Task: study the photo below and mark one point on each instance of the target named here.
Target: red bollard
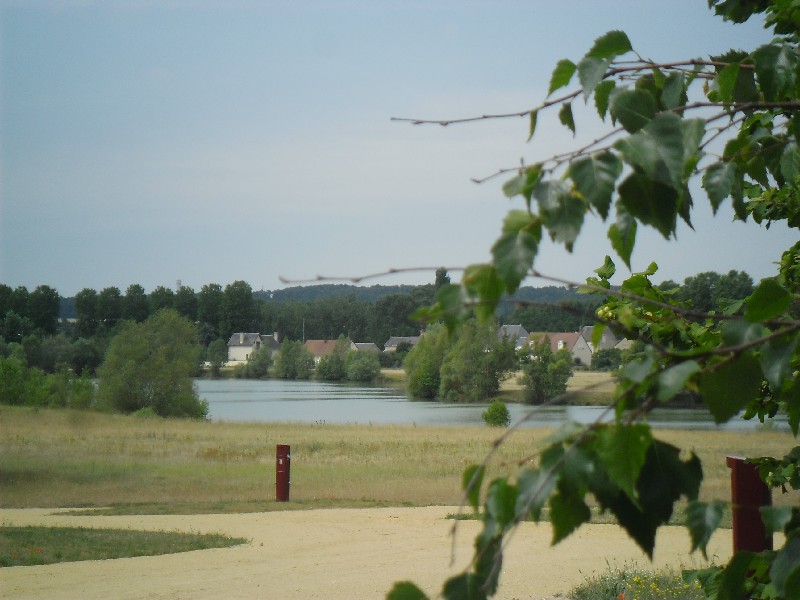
(282, 467)
(748, 495)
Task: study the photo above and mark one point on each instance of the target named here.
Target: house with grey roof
(241, 345)
(516, 333)
(393, 342)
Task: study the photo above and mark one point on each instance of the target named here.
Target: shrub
(362, 365)
(497, 415)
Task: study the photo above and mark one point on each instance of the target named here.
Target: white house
(242, 345)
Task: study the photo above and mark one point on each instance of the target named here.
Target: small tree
(217, 356)
(259, 363)
(293, 361)
(544, 373)
(608, 359)
(423, 363)
(362, 365)
(496, 415)
(331, 367)
(150, 365)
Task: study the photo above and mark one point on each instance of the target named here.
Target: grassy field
(60, 458)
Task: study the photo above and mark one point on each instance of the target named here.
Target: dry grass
(56, 458)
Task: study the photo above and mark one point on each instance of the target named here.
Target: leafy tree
(424, 362)
(161, 297)
(18, 300)
(186, 302)
(43, 306)
(87, 355)
(5, 298)
(55, 353)
(209, 306)
(109, 308)
(707, 292)
(238, 309)
(475, 363)
(608, 359)
(544, 373)
(362, 366)
(331, 367)
(86, 309)
(293, 361)
(12, 380)
(660, 137)
(150, 365)
(15, 326)
(442, 278)
(258, 365)
(217, 355)
(134, 305)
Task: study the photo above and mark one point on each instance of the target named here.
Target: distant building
(516, 333)
(393, 342)
(241, 345)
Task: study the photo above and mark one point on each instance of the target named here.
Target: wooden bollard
(748, 495)
(282, 473)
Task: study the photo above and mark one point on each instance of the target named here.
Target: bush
(497, 415)
(633, 584)
(362, 365)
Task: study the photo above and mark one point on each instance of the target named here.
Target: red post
(282, 467)
(748, 495)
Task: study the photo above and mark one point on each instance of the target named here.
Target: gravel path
(332, 554)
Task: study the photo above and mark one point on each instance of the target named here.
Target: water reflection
(318, 402)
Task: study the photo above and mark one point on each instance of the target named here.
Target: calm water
(318, 402)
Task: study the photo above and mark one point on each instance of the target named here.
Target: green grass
(634, 584)
(27, 546)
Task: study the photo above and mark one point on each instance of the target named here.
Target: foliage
(423, 363)
(150, 365)
(496, 415)
(22, 385)
(635, 584)
(741, 141)
(217, 355)
(544, 373)
(362, 366)
(331, 367)
(474, 363)
(608, 359)
(293, 361)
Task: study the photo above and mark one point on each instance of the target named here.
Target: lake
(278, 401)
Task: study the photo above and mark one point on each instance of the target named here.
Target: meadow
(126, 464)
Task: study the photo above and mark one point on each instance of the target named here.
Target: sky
(210, 141)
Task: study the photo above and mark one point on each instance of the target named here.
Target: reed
(62, 458)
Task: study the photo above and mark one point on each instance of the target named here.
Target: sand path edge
(333, 554)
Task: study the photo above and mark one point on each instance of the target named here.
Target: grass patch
(27, 546)
(124, 465)
(634, 584)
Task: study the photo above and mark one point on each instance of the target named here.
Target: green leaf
(719, 181)
(673, 380)
(534, 489)
(790, 162)
(568, 511)
(622, 450)
(405, 590)
(534, 115)
(463, 587)
(516, 248)
(673, 93)
(562, 75)
(607, 270)
(638, 369)
(501, 500)
(770, 299)
(702, 519)
(727, 389)
(652, 202)
(632, 108)
(591, 72)
(775, 518)
(566, 118)
(623, 235)
(610, 45)
(594, 177)
(482, 283)
(738, 332)
(785, 570)
(471, 483)
(776, 65)
(726, 81)
(734, 576)
(776, 361)
(601, 96)
(561, 211)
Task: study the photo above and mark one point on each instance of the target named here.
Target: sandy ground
(332, 554)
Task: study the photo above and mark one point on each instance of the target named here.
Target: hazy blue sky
(209, 141)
